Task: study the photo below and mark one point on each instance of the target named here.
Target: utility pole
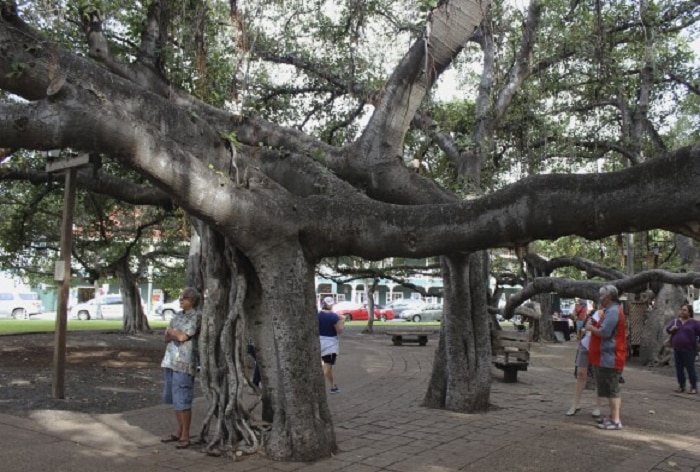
(62, 267)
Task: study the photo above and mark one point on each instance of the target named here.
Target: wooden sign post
(62, 267)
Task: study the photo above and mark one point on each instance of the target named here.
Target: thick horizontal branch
(99, 183)
(588, 289)
(593, 269)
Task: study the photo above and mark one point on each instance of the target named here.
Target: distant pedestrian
(180, 364)
(583, 372)
(607, 353)
(684, 332)
(330, 325)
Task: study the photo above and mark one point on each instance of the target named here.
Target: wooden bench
(415, 336)
(511, 353)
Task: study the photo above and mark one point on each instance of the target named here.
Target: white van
(19, 305)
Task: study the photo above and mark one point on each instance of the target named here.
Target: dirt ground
(106, 372)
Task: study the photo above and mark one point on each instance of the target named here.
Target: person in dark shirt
(330, 325)
(684, 332)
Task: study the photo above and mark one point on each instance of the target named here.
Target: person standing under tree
(684, 332)
(330, 325)
(580, 315)
(607, 353)
(180, 364)
(583, 369)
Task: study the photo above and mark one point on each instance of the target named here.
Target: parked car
(426, 313)
(168, 310)
(567, 306)
(106, 307)
(356, 311)
(19, 305)
(399, 305)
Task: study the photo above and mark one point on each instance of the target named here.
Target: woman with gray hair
(180, 364)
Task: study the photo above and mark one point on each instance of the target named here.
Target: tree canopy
(300, 130)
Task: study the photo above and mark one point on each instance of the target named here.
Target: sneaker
(610, 425)
(335, 389)
(602, 419)
(595, 413)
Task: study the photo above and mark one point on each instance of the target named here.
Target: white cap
(328, 301)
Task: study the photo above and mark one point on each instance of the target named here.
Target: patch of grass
(49, 326)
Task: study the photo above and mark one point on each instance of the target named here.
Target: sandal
(184, 444)
(169, 438)
(679, 390)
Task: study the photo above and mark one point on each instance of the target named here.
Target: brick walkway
(380, 425)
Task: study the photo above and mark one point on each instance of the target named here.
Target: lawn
(49, 326)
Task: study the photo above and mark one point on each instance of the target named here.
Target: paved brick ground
(380, 425)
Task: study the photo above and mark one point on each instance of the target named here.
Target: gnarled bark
(461, 377)
(666, 307)
(135, 319)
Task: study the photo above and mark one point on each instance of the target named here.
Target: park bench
(409, 336)
(510, 352)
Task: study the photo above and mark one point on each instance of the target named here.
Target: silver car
(426, 313)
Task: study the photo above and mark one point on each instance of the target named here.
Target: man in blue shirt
(330, 325)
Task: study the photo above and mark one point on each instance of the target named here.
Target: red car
(355, 311)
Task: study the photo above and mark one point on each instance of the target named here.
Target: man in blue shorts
(330, 325)
(180, 364)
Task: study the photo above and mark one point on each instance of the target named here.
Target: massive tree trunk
(135, 319)
(461, 377)
(242, 297)
(544, 330)
(302, 429)
(666, 307)
(228, 426)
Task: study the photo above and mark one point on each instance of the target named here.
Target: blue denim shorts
(178, 389)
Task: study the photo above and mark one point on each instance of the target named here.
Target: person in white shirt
(581, 363)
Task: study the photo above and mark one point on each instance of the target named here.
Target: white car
(106, 307)
(19, 305)
(168, 310)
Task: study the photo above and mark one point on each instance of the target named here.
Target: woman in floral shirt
(180, 364)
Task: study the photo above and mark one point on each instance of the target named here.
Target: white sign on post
(59, 271)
